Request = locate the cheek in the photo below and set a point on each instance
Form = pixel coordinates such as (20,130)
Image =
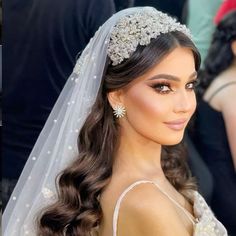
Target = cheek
(193,101)
(146,109)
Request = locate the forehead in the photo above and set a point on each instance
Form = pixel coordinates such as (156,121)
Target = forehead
(179,62)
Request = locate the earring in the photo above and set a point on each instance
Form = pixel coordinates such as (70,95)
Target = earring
(119,111)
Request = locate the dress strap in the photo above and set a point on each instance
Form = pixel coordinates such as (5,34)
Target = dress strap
(219,89)
(117,207)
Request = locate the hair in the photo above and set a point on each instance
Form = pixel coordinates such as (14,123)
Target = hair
(77,210)
(220,55)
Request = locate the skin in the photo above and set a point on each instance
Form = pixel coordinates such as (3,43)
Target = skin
(224,101)
(150,101)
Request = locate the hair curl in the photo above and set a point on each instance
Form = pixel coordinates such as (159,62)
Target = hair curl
(77,210)
(220,55)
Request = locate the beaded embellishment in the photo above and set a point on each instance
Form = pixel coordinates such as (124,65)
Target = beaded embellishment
(138,29)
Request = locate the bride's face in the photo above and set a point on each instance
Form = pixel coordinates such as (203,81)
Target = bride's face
(160,103)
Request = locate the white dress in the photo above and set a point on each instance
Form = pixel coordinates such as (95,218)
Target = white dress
(205,223)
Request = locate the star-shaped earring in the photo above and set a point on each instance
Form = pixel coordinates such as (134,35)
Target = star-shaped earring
(119,111)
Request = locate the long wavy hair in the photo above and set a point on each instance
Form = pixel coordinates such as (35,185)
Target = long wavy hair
(220,55)
(77,210)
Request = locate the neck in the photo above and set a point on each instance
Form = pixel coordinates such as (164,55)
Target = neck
(233,65)
(138,157)
(230,71)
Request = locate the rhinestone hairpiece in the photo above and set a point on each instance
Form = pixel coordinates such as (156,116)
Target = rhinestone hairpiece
(138,29)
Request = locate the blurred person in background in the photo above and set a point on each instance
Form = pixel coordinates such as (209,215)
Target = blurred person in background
(225,7)
(215,124)
(199,19)
(41,40)
(171,7)
(122,4)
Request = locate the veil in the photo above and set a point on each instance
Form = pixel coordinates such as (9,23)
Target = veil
(56,146)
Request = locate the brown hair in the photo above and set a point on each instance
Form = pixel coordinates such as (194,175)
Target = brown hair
(77,210)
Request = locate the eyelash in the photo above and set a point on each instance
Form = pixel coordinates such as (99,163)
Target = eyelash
(159,86)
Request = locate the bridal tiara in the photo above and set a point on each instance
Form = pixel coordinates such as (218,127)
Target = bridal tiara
(138,29)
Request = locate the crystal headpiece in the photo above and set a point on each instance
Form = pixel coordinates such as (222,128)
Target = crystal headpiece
(138,29)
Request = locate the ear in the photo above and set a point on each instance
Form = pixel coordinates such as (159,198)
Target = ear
(115,98)
(233,47)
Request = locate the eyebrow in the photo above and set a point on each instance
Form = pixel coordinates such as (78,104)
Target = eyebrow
(171,77)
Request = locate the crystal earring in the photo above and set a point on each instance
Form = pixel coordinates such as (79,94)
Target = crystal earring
(119,111)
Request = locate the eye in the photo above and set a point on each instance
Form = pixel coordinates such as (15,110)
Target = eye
(192,85)
(162,88)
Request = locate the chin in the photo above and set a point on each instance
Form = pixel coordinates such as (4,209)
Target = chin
(172,140)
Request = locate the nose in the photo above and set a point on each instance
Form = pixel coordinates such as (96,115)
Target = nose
(184,102)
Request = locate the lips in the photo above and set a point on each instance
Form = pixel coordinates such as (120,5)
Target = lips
(176,124)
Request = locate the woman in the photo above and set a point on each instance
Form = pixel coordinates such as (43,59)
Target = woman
(130,96)
(215,134)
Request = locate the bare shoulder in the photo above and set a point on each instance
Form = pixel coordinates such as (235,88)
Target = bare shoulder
(226,96)
(146,211)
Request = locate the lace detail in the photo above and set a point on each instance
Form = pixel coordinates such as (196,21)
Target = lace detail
(208,225)
(205,223)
